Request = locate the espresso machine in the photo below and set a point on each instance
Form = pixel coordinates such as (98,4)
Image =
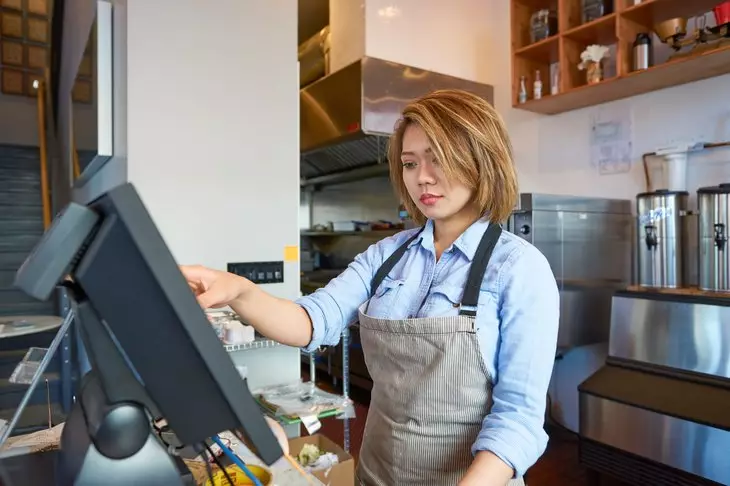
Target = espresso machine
(673,32)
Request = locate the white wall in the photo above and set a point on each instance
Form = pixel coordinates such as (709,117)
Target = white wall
(470,39)
(213,128)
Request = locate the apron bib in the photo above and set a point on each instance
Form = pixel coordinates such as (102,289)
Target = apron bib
(431,389)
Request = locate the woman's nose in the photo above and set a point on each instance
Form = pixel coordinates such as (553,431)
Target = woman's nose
(425,174)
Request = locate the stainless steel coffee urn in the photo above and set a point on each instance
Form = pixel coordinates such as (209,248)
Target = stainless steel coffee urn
(714,221)
(662,231)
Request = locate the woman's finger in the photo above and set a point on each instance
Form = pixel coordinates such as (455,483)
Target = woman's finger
(211,299)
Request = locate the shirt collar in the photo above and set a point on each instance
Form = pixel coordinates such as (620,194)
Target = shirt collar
(467,243)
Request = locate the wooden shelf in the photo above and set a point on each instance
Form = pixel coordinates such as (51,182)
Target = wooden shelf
(543,51)
(560,53)
(599,31)
(674,73)
(650,12)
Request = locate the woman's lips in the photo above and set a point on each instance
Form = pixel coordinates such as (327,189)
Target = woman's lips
(429,199)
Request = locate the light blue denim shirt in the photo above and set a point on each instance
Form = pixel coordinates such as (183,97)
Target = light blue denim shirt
(517,322)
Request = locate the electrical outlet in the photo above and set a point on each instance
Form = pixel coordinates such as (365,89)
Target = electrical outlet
(259,272)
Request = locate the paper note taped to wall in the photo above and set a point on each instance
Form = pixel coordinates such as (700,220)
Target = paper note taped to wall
(291,253)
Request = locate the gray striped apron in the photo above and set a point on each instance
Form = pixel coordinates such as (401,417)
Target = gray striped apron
(431,389)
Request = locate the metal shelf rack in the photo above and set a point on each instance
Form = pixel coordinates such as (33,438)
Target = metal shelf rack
(263,343)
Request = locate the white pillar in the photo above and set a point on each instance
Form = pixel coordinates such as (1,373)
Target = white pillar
(213,128)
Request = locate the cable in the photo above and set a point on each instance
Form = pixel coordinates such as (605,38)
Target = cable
(161,430)
(220,466)
(236,460)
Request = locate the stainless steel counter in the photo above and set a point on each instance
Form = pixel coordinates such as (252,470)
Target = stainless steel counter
(658,411)
(588,243)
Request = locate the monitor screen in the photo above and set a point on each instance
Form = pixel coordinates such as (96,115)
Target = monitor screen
(131,280)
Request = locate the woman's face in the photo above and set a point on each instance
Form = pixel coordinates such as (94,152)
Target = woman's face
(436,197)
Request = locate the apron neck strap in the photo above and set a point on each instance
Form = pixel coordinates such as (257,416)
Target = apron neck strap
(468,306)
(484,251)
(390,263)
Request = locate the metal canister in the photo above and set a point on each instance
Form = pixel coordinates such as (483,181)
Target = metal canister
(662,230)
(714,225)
(642,52)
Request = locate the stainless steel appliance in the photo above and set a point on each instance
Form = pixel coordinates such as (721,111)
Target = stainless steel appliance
(714,222)
(347,116)
(588,243)
(662,235)
(657,412)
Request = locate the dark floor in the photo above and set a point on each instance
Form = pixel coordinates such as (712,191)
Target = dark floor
(559,465)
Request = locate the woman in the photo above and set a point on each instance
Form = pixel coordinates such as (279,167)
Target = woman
(458,319)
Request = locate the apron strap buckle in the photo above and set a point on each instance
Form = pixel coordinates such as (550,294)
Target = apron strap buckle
(467,310)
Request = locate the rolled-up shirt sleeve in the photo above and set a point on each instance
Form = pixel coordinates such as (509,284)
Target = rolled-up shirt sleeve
(529,315)
(335,306)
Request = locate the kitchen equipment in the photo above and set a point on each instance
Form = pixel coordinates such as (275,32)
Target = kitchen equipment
(314,57)
(587,242)
(595,9)
(642,52)
(672,30)
(543,24)
(722,13)
(714,225)
(345,118)
(664,380)
(661,235)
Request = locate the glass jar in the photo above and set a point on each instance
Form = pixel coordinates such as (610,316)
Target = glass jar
(543,24)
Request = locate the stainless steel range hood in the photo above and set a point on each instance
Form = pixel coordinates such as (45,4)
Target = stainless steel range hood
(346,117)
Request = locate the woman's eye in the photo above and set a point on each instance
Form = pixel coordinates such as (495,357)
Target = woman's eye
(409,165)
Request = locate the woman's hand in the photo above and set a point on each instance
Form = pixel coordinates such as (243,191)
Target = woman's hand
(278,319)
(214,288)
(487,470)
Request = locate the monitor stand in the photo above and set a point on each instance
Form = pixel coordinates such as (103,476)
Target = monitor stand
(108,438)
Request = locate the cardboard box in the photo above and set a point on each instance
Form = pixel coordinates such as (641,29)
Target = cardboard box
(343,474)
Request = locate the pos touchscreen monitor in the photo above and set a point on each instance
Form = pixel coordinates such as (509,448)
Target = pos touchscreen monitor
(148,340)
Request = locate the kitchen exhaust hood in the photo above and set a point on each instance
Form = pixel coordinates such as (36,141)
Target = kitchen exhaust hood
(347,116)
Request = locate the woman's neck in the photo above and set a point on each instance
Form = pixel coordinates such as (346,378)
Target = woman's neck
(446,231)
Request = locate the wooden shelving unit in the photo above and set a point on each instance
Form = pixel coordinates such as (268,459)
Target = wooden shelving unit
(617,29)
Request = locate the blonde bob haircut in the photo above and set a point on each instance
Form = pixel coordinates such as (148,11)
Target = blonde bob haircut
(470,141)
